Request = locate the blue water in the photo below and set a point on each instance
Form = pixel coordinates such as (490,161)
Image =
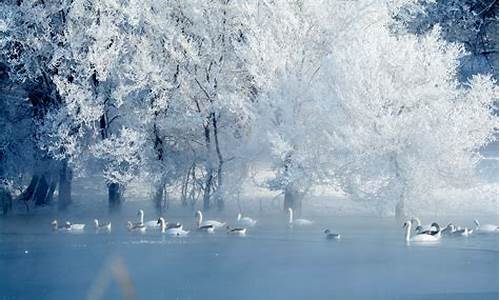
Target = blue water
(371,261)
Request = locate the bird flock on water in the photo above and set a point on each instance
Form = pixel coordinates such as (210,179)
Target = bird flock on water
(420,234)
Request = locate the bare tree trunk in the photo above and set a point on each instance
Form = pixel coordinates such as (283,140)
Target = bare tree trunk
(65,178)
(5,195)
(293,198)
(207,188)
(28,193)
(41,192)
(219,200)
(159,198)
(184,187)
(209,166)
(399,210)
(50,192)
(115,196)
(220,181)
(5,200)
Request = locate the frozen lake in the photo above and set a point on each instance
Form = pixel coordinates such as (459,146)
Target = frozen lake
(371,261)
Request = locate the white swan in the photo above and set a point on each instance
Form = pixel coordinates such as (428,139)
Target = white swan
(68,226)
(245,221)
(104,226)
(485,228)
(240,231)
(453,231)
(200,223)
(419,237)
(434,230)
(56,227)
(136,227)
(299,222)
(206,228)
(153,224)
(419,228)
(171,229)
(330,235)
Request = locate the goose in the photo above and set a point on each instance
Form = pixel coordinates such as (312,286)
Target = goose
(419,237)
(171,229)
(200,223)
(330,235)
(56,227)
(136,227)
(153,224)
(245,221)
(240,231)
(299,222)
(485,228)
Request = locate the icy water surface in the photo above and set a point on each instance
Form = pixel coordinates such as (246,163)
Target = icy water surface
(371,261)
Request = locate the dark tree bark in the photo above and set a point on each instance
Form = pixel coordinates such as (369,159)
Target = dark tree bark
(28,193)
(42,189)
(5,200)
(293,198)
(207,188)
(65,178)
(115,196)
(185,183)
(210,172)
(50,192)
(160,198)
(220,183)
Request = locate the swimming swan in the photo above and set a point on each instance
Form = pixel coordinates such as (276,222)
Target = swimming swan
(245,221)
(419,237)
(299,222)
(452,231)
(330,235)
(485,228)
(240,231)
(200,223)
(419,228)
(136,227)
(153,224)
(434,230)
(68,226)
(171,229)
(206,228)
(56,227)
(104,226)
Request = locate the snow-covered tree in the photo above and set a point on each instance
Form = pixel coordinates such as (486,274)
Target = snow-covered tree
(286,46)
(31,32)
(187,95)
(409,125)
(167,75)
(472,23)
(384,122)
